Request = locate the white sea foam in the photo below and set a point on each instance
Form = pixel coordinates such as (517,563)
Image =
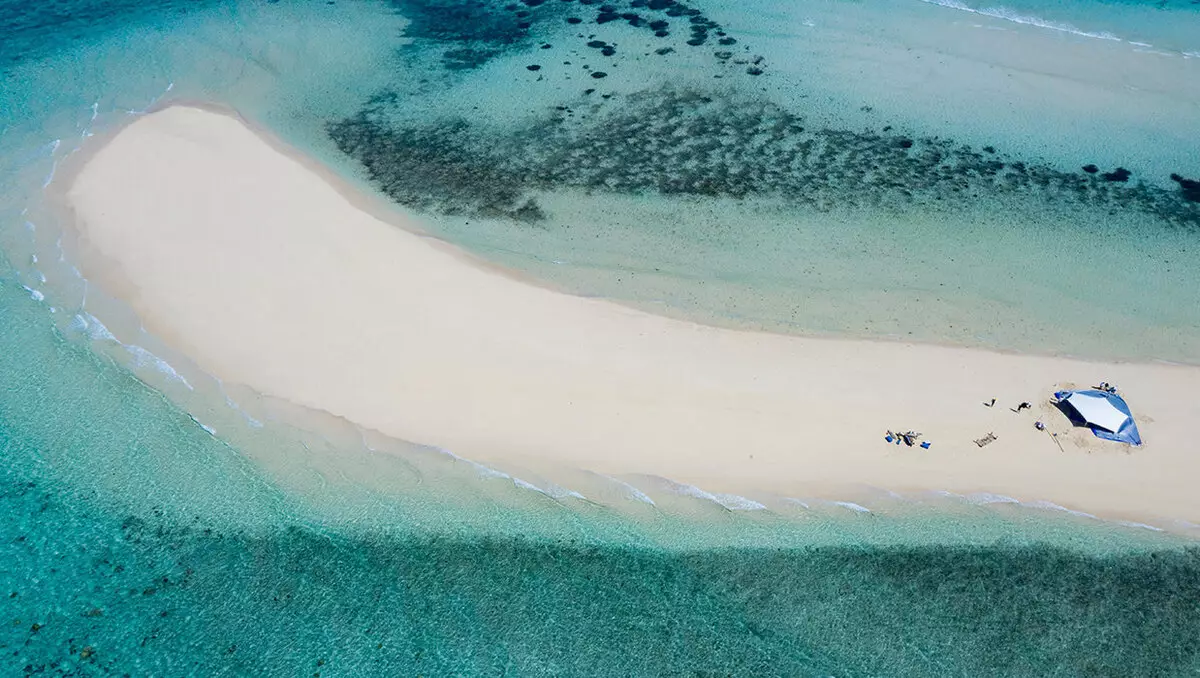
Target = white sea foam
(484,471)
(527,485)
(1144,526)
(560,492)
(96,329)
(982,498)
(153,101)
(249,419)
(551,490)
(1007,14)
(144,358)
(735,502)
(35,294)
(50,176)
(78,324)
(1051,506)
(208,429)
(732,502)
(857,508)
(630,490)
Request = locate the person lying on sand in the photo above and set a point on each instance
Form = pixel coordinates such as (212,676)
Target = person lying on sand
(1023,406)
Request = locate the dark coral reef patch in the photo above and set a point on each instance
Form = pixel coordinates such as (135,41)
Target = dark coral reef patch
(1190,188)
(696,143)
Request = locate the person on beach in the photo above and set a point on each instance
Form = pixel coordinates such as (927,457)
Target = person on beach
(1023,406)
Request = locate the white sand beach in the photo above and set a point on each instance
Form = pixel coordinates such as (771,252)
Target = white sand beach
(271,274)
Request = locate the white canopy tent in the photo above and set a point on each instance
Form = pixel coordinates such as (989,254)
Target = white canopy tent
(1097,410)
(1105,412)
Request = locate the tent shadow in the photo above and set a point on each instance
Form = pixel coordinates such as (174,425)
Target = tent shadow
(1071,415)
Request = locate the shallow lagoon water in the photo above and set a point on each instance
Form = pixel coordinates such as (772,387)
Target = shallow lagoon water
(138,543)
(140,539)
(774,167)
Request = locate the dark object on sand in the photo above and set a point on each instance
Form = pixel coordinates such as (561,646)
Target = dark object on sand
(1106,387)
(908,437)
(989,438)
(990,403)
(1022,406)
(1039,426)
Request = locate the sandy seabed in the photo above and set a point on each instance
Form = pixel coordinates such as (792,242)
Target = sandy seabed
(270,273)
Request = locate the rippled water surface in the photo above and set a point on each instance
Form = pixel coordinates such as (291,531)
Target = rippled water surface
(795,166)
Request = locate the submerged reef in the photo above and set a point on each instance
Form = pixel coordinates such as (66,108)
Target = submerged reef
(110,593)
(470,34)
(728,142)
(1190,187)
(687,142)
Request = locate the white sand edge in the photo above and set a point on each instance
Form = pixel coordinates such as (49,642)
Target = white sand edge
(266,274)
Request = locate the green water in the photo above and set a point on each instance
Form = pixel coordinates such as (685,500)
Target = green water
(153,527)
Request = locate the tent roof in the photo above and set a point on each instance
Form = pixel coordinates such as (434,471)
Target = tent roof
(1098,410)
(1105,413)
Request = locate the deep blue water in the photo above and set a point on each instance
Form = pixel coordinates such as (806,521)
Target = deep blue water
(133,542)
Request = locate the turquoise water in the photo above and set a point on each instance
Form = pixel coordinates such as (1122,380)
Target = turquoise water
(817,175)
(154,527)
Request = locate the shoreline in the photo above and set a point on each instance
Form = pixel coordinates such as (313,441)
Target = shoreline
(718,373)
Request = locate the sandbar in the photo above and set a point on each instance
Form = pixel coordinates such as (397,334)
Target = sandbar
(268,273)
